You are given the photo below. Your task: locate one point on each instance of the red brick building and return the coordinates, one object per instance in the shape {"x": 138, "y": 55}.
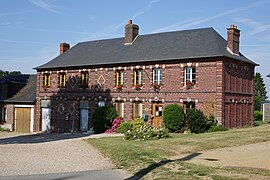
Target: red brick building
{"x": 141, "y": 74}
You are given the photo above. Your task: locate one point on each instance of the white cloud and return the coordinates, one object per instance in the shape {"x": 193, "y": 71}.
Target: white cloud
{"x": 145, "y": 9}
{"x": 181, "y": 25}
{"x": 257, "y": 27}
{"x": 44, "y": 4}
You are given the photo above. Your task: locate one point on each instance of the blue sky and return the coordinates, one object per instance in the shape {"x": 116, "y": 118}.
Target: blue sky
{"x": 31, "y": 30}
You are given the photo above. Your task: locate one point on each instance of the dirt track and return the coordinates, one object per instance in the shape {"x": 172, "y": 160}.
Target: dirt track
{"x": 246, "y": 156}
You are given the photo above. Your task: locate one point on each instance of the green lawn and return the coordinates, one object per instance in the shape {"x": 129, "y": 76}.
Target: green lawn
{"x": 150, "y": 159}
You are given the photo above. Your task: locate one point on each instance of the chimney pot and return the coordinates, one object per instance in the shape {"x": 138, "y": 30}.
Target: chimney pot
{"x": 64, "y": 47}
{"x": 233, "y": 37}
{"x": 130, "y": 21}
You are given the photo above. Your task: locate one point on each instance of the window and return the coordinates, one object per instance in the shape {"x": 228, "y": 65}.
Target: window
{"x": 119, "y": 78}
{"x": 190, "y": 75}
{"x": 138, "y": 77}
{"x": 137, "y": 110}
{"x": 46, "y": 80}
{"x": 157, "y": 76}
{"x": 119, "y": 106}
{"x": 84, "y": 79}
{"x": 62, "y": 80}
{"x": 188, "y": 106}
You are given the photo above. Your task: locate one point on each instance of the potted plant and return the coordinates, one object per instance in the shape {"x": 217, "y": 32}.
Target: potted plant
{"x": 189, "y": 84}
{"x": 137, "y": 86}
{"x": 119, "y": 87}
{"x": 156, "y": 86}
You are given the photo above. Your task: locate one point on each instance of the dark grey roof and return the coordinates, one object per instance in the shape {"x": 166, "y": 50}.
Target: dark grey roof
{"x": 27, "y": 94}
{"x": 16, "y": 79}
{"x": 178, "y": 45}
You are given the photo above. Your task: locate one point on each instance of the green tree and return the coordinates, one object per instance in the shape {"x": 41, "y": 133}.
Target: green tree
{"x": 259, "y": 91}
{"x": 7, "y": 73}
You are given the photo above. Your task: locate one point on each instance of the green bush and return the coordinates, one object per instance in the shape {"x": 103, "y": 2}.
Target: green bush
{"x": 111, "y": 114}
{"x": 197, "y": 121}
{"x": 124, "y": 127}
{"x": 102, "y": 118}
{"x": 173, "y": 117}
{"x": 215, "y": 128}
{"x": 258, "y": 115}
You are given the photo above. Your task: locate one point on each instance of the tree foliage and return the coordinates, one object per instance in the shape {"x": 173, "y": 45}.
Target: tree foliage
{"x": 259, "y": 91}
{"x": 7, "y": 73}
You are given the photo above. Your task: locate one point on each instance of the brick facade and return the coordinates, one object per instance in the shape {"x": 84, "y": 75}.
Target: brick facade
{"x": 224, "y": 88}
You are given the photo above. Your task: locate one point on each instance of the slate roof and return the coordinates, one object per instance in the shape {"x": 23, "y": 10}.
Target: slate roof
{"x": 27, "y": 94}
{"x": 16, "y": 79}
{"x": 178, "y": 45}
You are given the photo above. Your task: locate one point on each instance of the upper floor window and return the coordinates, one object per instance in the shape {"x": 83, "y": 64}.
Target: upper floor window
{"x": 119, "y": 77}
{"x": 138, "y": 77}
{"x": 190, "y": 76}
{"x": 46, "y": 80}
{"x": 84, "y": 79}
{"x": 62, "y": 79}
{"x": 157, "y": 76}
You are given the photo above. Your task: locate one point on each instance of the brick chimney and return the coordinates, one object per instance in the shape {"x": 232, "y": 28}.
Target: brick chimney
{"x": 131, "y": 32}
{"x": 64, "y": 47}
{"x": 233, "y": 37}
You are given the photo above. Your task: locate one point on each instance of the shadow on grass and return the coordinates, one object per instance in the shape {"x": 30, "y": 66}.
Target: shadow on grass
{"x": 40, "y": 138}
{"x": 140, "y": 174}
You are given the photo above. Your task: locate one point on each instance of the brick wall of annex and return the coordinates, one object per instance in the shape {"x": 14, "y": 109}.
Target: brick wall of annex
{"x": 209, "y": 93}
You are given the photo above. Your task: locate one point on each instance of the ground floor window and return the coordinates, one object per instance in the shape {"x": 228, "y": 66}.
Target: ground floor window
{"x": 119, "y": 106}
{"x": 188, "y": 106}
{"x": 137, "y": 110}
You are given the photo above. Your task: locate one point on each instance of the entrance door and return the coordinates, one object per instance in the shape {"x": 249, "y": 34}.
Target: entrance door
{"x": 157, "y": 113}
{"x": 84, "y": 120}
{"x": 46, "y": 119}
{"x": 23, "y": 119}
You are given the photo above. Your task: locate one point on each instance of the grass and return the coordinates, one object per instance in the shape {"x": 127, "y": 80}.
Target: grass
{"x": 2, "y": 129}
{"x": 151, "y": 159}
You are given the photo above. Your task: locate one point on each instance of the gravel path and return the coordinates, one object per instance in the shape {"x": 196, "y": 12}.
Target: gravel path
{"x": 49, "y": 153}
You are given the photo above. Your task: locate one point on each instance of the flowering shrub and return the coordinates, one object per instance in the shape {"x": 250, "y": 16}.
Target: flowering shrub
{"x": 189, "y": 84}
{"x": 146, "y": 132}
{"x": 115, "y": 124}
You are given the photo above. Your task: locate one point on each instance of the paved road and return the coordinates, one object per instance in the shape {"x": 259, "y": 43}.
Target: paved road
{"x": 67, "y": 155}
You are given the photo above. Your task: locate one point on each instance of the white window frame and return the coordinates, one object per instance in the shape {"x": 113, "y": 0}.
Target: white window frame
{"x": 191, "y": 74}
{"x": 157, "y": 76}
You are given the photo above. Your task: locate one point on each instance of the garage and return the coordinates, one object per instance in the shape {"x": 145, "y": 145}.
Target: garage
{"x": 22, "y": 120}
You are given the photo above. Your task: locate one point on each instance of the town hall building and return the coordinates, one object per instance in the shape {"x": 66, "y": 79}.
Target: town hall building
{"x": 141, "y": 74}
